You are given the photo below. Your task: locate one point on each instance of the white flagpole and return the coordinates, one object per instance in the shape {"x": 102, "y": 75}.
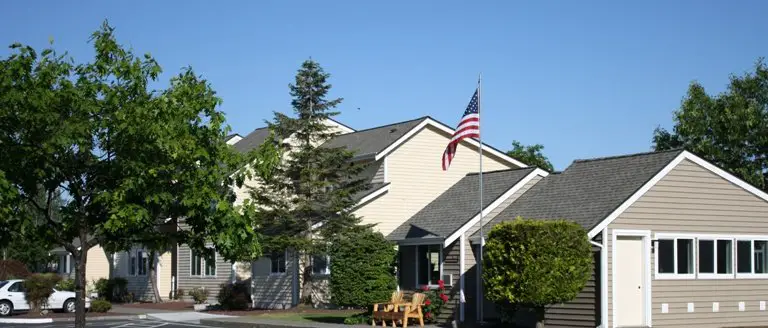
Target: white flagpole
{"x": 482, "y": 237}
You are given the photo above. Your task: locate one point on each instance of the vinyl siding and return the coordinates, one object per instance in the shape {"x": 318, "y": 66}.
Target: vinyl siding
{"x": 140, "y": 286}
{"x": 691, "y": 199}
{"x": 187, "y": 281}
{"x": 272, "y": 291}
{"x": 416, "y": 176}
{"x": 98, "y": 265}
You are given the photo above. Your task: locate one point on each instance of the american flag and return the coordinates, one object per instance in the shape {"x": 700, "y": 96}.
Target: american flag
{"x": 469, "y": 127}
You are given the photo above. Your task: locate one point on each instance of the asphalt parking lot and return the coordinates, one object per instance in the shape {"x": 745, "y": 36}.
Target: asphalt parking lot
{"x": 137, "y": 323}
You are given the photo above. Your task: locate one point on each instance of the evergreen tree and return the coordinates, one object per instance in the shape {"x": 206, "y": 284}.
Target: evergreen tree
{"x": 309, "y": 197}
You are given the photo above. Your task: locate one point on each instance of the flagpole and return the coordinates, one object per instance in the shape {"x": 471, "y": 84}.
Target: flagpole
{"x": 482, "y": 238}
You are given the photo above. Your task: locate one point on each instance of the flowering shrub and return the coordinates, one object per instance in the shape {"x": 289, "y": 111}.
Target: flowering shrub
{"x": 433, "y": 301}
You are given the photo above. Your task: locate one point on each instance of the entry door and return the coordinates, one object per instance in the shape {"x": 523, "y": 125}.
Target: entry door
{"x": 629, "y": 271}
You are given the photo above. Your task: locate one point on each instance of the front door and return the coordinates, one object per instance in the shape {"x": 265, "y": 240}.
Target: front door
{"x": 629, "y": 272}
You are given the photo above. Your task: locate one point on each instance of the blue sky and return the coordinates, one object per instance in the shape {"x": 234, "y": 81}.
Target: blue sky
{"x": 584, "y": 78}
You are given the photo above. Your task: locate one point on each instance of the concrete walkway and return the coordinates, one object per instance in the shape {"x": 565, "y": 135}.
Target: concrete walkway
{"x": 116, "y": 308}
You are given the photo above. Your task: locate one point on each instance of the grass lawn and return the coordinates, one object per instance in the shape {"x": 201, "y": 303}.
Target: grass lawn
{"x": 327, "y": 317}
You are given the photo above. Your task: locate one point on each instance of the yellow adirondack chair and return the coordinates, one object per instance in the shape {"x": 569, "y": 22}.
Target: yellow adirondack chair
{"x": 413, "y": 310}
{"x": 386, "y": 311}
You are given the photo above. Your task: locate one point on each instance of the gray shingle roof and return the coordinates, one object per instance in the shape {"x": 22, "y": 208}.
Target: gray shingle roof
{"x": 588, "y": 190}
{"x": 457, "y": 205}
{"x": 371, "y": 141}
{"x": 252, "y": 140}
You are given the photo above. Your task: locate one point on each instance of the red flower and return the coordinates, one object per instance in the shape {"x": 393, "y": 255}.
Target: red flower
{"x": 441, "y": 284}
{"x": 425, "y": 288}
{"x": 427, "y": 302}
{"x": 444, "y": 297}
{"x": 428, "y": 315}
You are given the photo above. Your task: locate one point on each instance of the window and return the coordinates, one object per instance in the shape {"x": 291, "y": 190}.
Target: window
{"x": 63, "y": 266}
{"x": 761, "y": 256}
{"x": 743, "y": 256}
{"x": 429, "y": 259}
{"x": 675, "y": 257}
{"x": 715, "y": 258}
{"x": 138, "y": 263}
{"x": 321, "y": 264}
{"x": 277, "y": 263}
{"x": 17, "y": 287}
{"x": 707, "y": 256}
{"x": 724, "y": 256}
{"x": 751, "y": 258}
{"x": 201, "y": 265}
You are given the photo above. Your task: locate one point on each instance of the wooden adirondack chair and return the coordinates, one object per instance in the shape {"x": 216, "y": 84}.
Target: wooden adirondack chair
{"x": 413, "y": 310}
{"x": 386, "y": 311}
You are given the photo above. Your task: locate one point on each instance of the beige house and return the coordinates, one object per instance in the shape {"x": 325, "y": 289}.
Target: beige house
{"x": 677, "y": 241}
{"x": 405, "y": 174}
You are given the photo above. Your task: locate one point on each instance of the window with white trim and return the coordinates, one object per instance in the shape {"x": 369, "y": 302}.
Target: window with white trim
{"x": 201, "y": 265}
{"x": 676, "y": 257}
{"x": 277, "y": 263}
{"x": 751, "y": 258}
{"x": 321, "y": 264}
{"x": 138, "y": 264}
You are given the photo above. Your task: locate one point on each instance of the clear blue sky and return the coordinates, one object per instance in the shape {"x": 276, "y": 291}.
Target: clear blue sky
{"x": 584, "y": 78}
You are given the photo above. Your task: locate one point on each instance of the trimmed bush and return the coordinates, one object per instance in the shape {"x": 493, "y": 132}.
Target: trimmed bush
{"x": 38, "y": 288}
{"x": 234, "y": 296}
{"x": 66, "y": 285}
{"x": 100, "y": 306}
{"x": 12, "y": 269}
{"x": 362, "y": 269}
{"x": 113, "y": 290}
{"x": 535, "y": 263}
{"x": 199, "y": 295}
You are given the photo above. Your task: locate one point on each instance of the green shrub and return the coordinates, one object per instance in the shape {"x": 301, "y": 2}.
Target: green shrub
{"x": 38, "y": 288}
{"x": 176, "y": 296}
{"x": 66, "y": 285}
{"x": 199, "y": 295}
{"x": 100, "y": 306}
{"x": 434, "y": 299}
{"x": 113, "y": 290}
{"x": 362, "y": 269}
{"x": 12, "y": 269}
{"x": 234, "y": 296}
{"x": 101, "y": 287}
{"x": 535, "y": 263}
{"x": 356, "y": 319}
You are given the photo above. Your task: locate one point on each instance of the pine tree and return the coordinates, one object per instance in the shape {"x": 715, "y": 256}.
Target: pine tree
{"x": 309, "y": 197}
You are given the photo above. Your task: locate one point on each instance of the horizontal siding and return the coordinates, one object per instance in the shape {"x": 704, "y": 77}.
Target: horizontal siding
{"x": 187, "y": 282}
{"x": 272, "y": 291}
{"x": 417, "y": 177}
{"x": 140, "y": 286}
{"x": 691, "y": 199}
{"x": 97, "y": 265}
{"x": 584, "y": 310}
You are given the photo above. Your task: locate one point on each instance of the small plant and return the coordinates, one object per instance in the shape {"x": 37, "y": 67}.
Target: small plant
{"x": 179, "y": 293}
{"x": 357, "y": 319}
{"x": 100, "y": 306}
{"x": 66, "y": 285}
{"x": 234, "y": 296}
{"x": 38, "y": 288}
{"x": 434, "y": 299}
{"x": 199, "y": 295}
{"x": 101, "y": 287}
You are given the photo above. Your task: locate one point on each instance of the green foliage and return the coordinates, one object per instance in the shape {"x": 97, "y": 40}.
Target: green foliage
{"x": 199, "y": 295}
{"x": 434, "y": 299}
{"x": 100, "y": 306}
{"x": 234, "y": 296}
{"x": 728, "y": 129}
{"x": 12, "y": 269}
{"x": 362, "y": 269}
{"x": 66, "y": 285}
{"x": 129, "y": 156}
{"x": 358, "y": 319}
{"x": 27, "y": 242}
{"x": 38, "y": 288}
{"x": 531, "y": 155}
{"x": 113, "y": 290}
{"x": 535, "y": 263}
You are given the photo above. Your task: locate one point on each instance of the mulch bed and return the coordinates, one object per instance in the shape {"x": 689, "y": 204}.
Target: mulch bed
{"x": 174, "y": 306}
{"x": 293, "y": 310}
{"x": 30, "y": 315}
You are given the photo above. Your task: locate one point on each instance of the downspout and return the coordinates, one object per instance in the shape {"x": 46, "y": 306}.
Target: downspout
{"x": 603, "y": 257}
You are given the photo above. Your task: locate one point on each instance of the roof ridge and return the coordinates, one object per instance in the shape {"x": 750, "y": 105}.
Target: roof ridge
{"x": 385, "y": 125}
{"x": 627, "y": 155}
{"x": 504, "y": 170}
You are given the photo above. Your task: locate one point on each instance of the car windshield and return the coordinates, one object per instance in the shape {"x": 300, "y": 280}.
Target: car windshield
{"x": 3, "y": 283}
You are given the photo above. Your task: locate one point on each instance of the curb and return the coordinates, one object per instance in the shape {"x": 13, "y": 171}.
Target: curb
{"x": 240, "y": 324}
{"x": 31, "y": 321}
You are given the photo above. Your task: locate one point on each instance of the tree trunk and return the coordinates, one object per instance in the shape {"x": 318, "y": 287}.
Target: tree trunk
{"x": 306, "y": 281}
{"x": 153, "y": 276}
{"x": 540, "y": 313}
{"x": 81, "y": 259}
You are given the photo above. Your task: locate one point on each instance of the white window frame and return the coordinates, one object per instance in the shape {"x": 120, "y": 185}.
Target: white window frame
{"x": 203, "y": 264}
{"x": 133, "y": 268}
{"x": 64, "y": 264}
{"x": 440, "y": 262}
{"x": 671, "y": 276}
{"x": 285, "y": 265}
{"x": 734, "y": 238}
{"x": 326, "y": 271}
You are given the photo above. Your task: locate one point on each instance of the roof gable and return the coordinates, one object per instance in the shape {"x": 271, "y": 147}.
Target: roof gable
{"x": 370, "y": 142}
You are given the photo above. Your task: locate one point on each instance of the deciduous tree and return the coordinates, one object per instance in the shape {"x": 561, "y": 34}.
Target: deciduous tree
{"x": 532, "y": 155}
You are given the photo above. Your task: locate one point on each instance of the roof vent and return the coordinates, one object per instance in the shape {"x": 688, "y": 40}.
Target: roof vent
{"x": 392, "y": 130}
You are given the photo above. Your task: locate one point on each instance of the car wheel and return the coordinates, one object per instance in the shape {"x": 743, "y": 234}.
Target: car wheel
{"x": 6, "y": 308}
{"x": 69, "y": 305}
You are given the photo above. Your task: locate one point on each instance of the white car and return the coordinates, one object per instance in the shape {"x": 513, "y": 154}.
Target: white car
{"x": 12, "y": 299}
